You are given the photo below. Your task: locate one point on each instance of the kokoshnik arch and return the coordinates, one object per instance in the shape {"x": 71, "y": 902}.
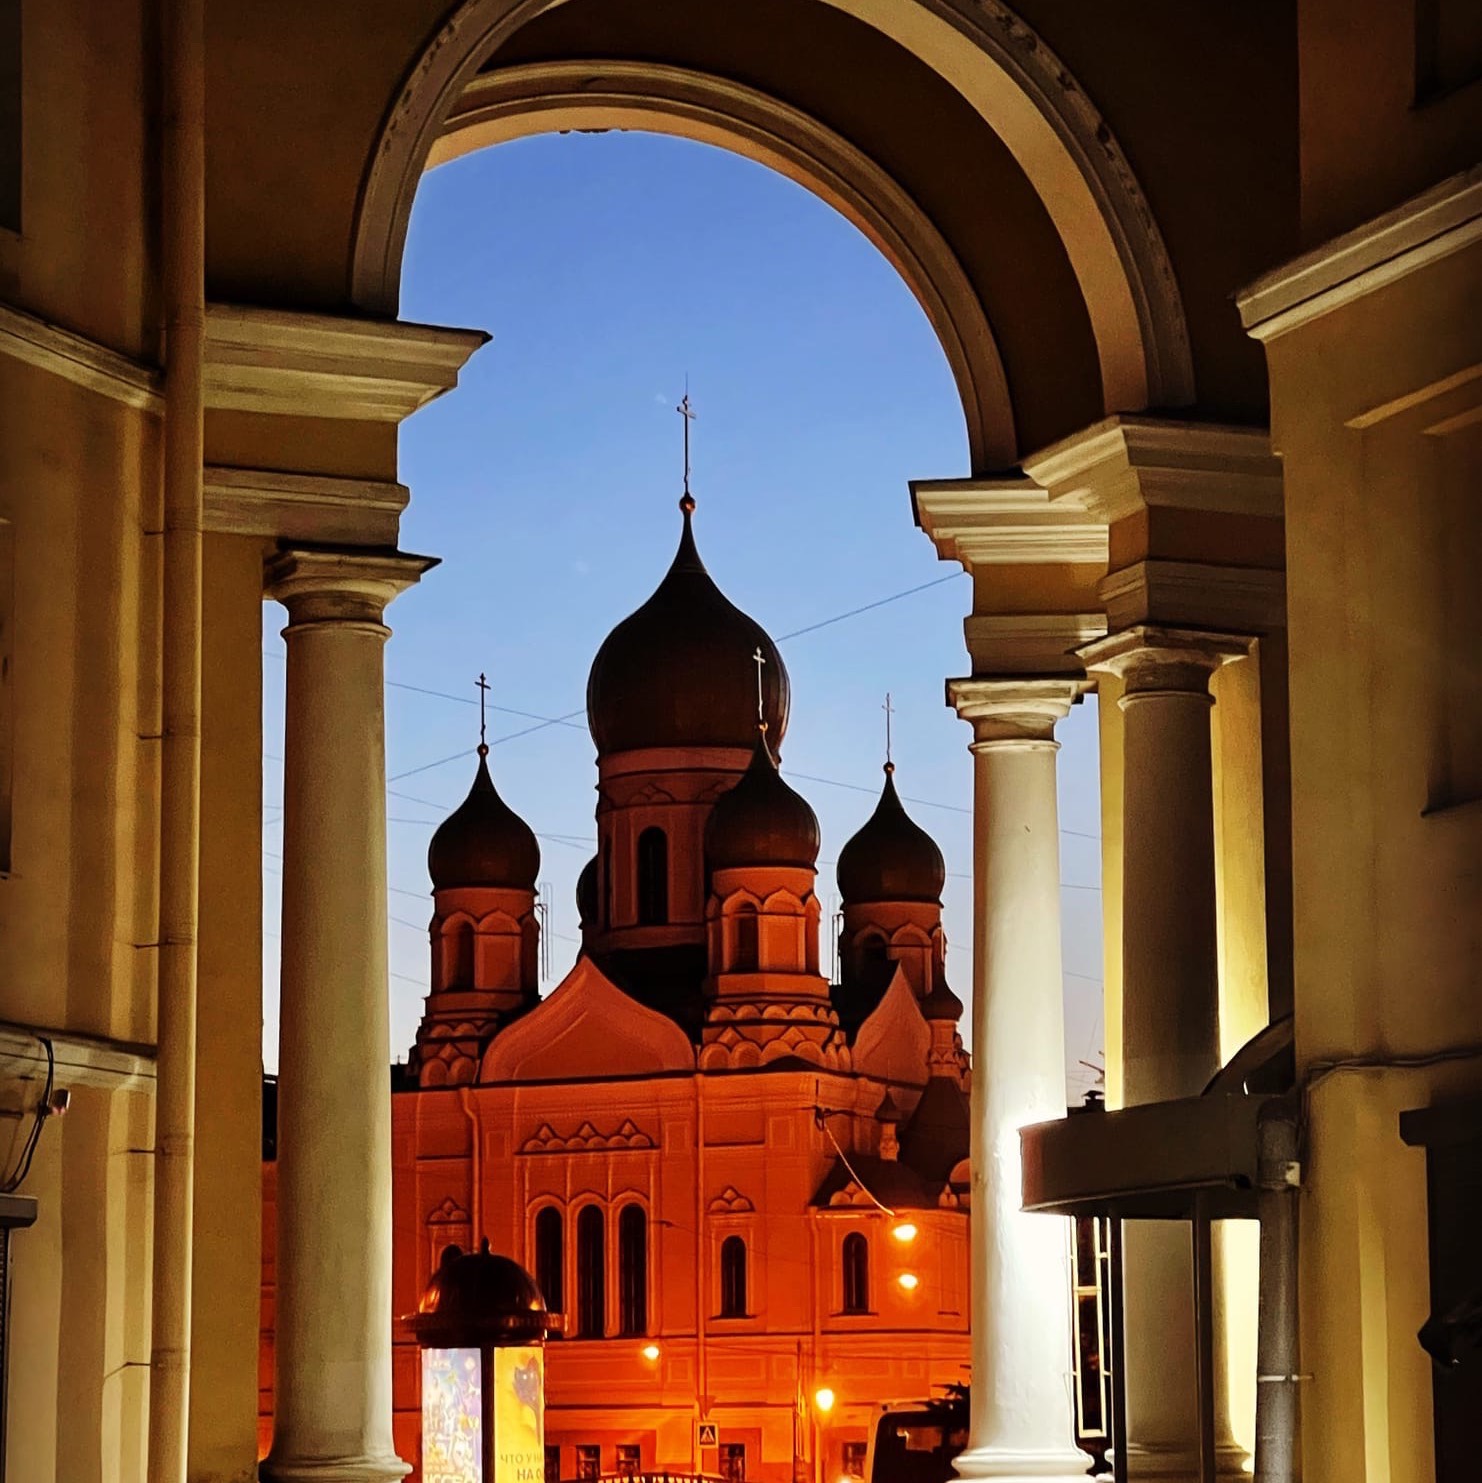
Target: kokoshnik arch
{"x": 1091, "y": 204}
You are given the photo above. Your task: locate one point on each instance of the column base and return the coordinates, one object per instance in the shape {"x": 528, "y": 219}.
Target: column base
{"x": 1180, "y": 1465}
{"x": 1013, "y": 1465}
{"x": 385, "y": 1469}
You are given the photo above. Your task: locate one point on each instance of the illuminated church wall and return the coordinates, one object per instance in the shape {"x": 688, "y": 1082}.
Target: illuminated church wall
{"x": 707, "y": 1154}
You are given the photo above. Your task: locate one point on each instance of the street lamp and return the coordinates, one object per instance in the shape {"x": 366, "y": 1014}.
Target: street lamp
{"x": 823, "y": 1398}
{"x": 909, "y": 1281}
{"x": 651, "y": 1353}
{"x": 481, "y": 1327}
{"x": 904, "y": 1231}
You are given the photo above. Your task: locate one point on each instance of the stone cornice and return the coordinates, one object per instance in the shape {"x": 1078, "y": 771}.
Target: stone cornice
{"x": 320, "y": 365}
{"x": 1014, "y": 710}
{"x": 1247, "y": 599}
{"x": 327, "y": 585}
{"x": 1422, "y": 230}
{"x": 77, "y": 359}
{"x": 1006, "y": 522}
{"x": 1030, "y": 643}
{"x": 302, "y": 507}
{"x": 1122, "y": 465}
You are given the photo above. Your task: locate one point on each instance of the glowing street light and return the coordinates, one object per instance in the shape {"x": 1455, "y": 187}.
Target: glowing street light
{"x": 823, "y": 1398}
{"x": 651, "y": 1353}
{"x": 904, "y": 1232}
{"x": 909, "y": 1281}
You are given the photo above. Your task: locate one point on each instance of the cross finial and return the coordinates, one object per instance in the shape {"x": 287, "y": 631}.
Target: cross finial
{"x": 759, "y": 659}
{"x": 687, "y": 412}
{"x": 483, "y": 689}
{"x": 889, "y": 710}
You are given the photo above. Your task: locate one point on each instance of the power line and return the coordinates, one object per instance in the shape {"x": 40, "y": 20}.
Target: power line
{"x": 879, "y": 602}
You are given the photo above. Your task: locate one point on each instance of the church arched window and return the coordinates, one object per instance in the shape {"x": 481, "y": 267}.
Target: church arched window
{"x": 747, "y": 939}
{"x": 856, "y": 1264}
{"x": 550, "y": 1257}
{"x": 733, "y": 1277}
{"x": 653, "y": 877}
{"x": 633, "y": 1270}
{"x": 458, "y": 942}
{"x": 591, "y": 1276}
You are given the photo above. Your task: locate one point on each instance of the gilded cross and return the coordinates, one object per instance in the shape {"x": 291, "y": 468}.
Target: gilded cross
{"x": 759, "y": 659}
{"x": 889, "y": 712}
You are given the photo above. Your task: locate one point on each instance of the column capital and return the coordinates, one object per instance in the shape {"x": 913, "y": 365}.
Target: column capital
{"x": 1014, "y": 708}
{"x": 1150, "y": 659}
{"x": 320, "y": 584}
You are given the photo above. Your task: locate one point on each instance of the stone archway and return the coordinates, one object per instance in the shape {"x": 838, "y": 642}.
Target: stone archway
{"x": 984, "y": 53}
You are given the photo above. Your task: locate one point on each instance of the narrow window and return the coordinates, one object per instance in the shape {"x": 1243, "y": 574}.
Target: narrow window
{"x": 591, "y": 1282}
{"x": 633, "y": 1269}
{"x": 854, "y": 1459}
{"x": 553, "y": 1464}
{"x": 856, "y": 1255}
{"x": 549, "y": 1258}
{"x": 588, "y": 1462}
{"x": 606, "y": 883}
{"x": 747, "y": 943}
{"x": 629, "y": 1460}
{"x": 733, "y": 1462}
{"x": 460, "y": 957}
{"x": 653, "y": 878}
{"x": 733, "y": 1277}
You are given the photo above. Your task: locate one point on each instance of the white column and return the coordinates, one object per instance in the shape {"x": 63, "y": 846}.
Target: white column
{"x": 1170, "y": 1012}
{"x": 1022, "y": 1423}
{"x": 332, "y": 1415}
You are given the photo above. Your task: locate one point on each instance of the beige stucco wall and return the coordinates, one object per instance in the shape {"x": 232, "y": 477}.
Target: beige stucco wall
{"x": 1378, "y": 424}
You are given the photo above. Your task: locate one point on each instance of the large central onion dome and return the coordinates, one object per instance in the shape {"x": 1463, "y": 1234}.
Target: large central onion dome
{"x": 761, "y": 821}
{"x": 891, "y": 858}
{"x": 483, "y": 842}
{"x": 678, "y": 672}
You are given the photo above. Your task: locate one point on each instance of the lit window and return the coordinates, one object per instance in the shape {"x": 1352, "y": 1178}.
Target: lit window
{"x": 588, "y": 1462}
{"x": 854, "y": 1459}
{"x": 629, "y": 1460}
{"x": 733, "y": 1462}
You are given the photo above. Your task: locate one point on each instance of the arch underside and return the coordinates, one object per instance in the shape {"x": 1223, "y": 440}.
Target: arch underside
{"x": 960, "y": 148}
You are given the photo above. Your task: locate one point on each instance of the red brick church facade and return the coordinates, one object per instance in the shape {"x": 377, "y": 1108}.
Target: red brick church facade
{"x": 741, "y": 1185}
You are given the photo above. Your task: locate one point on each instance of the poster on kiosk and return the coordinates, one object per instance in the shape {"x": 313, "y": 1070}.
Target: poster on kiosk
{"x": 455, "y": 1384}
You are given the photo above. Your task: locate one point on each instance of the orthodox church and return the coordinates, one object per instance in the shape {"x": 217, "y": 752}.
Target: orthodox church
{"x": 744, "y": 1188}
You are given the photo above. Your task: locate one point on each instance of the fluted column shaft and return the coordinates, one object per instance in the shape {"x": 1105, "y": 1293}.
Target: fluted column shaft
{"x": 1022, "y": 1424}
{"x": 332, "y": 1348}
{"x": 1170, "y": 1011}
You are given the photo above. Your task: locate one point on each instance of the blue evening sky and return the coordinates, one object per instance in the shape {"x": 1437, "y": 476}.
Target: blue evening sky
{"x": 607, "y": 267}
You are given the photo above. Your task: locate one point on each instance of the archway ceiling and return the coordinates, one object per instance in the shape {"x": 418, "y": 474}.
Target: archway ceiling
{"x": 323, "y": 116}
{"x": 900, "y": 116}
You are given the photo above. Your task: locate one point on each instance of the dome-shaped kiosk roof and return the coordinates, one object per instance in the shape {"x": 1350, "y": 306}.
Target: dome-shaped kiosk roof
{"x": 761, "y": 821}
{"x": 891, "y": 857}
{"x": 483, "y": 842}
{"x": 479, "y": 1297}
{"x": 677, "y": 672}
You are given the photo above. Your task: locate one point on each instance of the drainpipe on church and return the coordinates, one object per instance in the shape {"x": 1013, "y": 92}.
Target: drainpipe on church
{"x": 183, "y": 272}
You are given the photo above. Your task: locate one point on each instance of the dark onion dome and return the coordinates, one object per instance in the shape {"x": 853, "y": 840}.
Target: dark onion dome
{"x": 891, "y": 858}
{"x": 483, "y": 842}
{"x": 479, "y": 1297}
{"x": 761, "y": 821}
{"x": 679, "y": 673}
{"x": 586, "y": 894}
{"x": 941, "y": 1003}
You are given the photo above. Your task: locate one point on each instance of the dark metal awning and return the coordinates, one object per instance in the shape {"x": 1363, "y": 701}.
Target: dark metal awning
{"x": 1192, "y": 1158}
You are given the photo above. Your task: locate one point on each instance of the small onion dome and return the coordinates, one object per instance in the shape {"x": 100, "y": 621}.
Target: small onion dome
{"x": 678, "y": 672}
{"x": 941, "y": 1003}
{"x": 891, "y": 858}
{"x": 476, "y": 1298}
{"x": 586, "y": 893}
{"x": 483, "y": 842}
{"x": 761, "y": 821}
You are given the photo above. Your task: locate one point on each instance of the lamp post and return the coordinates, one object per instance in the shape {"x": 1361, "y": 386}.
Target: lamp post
{"x": 481, "y": 1327}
